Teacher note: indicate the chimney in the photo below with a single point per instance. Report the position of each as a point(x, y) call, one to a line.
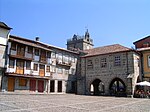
point(37, 39)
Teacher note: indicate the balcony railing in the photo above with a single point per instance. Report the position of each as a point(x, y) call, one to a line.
point(63, 63)
point(21, 55)
point(43, 60)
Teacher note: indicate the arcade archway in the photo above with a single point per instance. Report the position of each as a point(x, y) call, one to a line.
point(117, 87)
point(97, 87)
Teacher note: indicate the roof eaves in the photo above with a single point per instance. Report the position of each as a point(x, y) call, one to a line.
point(108, 53)
point(141, 39)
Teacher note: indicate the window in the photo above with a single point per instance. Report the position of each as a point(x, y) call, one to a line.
point(73, 71)
point(72, 59)
point(103, 62)
point(22, 82)
point(89, 64)
point(11, 63)
point(65, 58)
point(59, 70)
point(53, 69)
point(28, 65)
point(43, 56)
point(48, 69)
point(66, 72)
point(117, 61)
point(13, 46)
point(35, 67)
point(36, 51)
point(30, 49)
point(48, 54)
point(148, 61)
point(53, 55)
point(146, 44)
point(96, 61)
point(59, 58)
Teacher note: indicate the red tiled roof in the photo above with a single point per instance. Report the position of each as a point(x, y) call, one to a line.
point(28, 42)
point(141, 39)
point(36, 43)
point(106, 50)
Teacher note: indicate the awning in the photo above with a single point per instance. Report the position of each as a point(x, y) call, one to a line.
point(144, 83)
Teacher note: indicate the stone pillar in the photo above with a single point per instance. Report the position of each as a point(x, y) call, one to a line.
point(46, 86)
point(28, 84)
point(129, 87)
point(56, 86)
point(36, 89)
point(63, 86)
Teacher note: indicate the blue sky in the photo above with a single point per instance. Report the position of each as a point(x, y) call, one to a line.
point(55, 21)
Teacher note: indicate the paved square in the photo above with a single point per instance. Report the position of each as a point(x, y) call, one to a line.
point(70, 103)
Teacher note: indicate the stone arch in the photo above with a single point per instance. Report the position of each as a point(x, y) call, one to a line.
point(97, 87)
point(117, 87)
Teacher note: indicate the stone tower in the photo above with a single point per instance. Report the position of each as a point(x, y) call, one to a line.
point(80, 42)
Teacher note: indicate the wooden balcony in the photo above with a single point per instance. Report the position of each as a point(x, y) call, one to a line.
point(43, 60)
point(63, 63)
point(21, 55)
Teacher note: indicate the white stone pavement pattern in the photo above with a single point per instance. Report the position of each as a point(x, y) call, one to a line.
point(70, 103)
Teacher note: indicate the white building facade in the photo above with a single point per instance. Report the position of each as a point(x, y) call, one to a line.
point(37, 67)
point(4, 35)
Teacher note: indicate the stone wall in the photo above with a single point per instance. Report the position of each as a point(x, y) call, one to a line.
point(107, 74)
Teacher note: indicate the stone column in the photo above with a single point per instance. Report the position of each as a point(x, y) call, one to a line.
point(56, 86)
point(36, 89)
point(129, 87)
point(48, 86)
point(28, 84)
point(63, 86)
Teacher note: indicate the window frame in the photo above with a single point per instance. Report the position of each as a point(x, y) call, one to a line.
point(27, 67)
point(30, 50)
point(48, 54)
point(89, 64)
point(13, 46)
point(36, 52)
point(117, 61)
point(148, 61)
point(103, 62)
point(59, 70)
point(47, 68)
point(12, 61)
point(35, 67)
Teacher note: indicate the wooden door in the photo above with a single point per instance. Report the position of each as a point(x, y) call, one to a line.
point(43, 56)
point(32, 85)
point(59, 86)
point(42, 70)
point(52, 86)
point(11, 84)
point(21, 50)
point(40, 85)
point(20, 67)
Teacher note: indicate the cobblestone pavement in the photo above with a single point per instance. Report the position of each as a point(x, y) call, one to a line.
point(70, 103)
